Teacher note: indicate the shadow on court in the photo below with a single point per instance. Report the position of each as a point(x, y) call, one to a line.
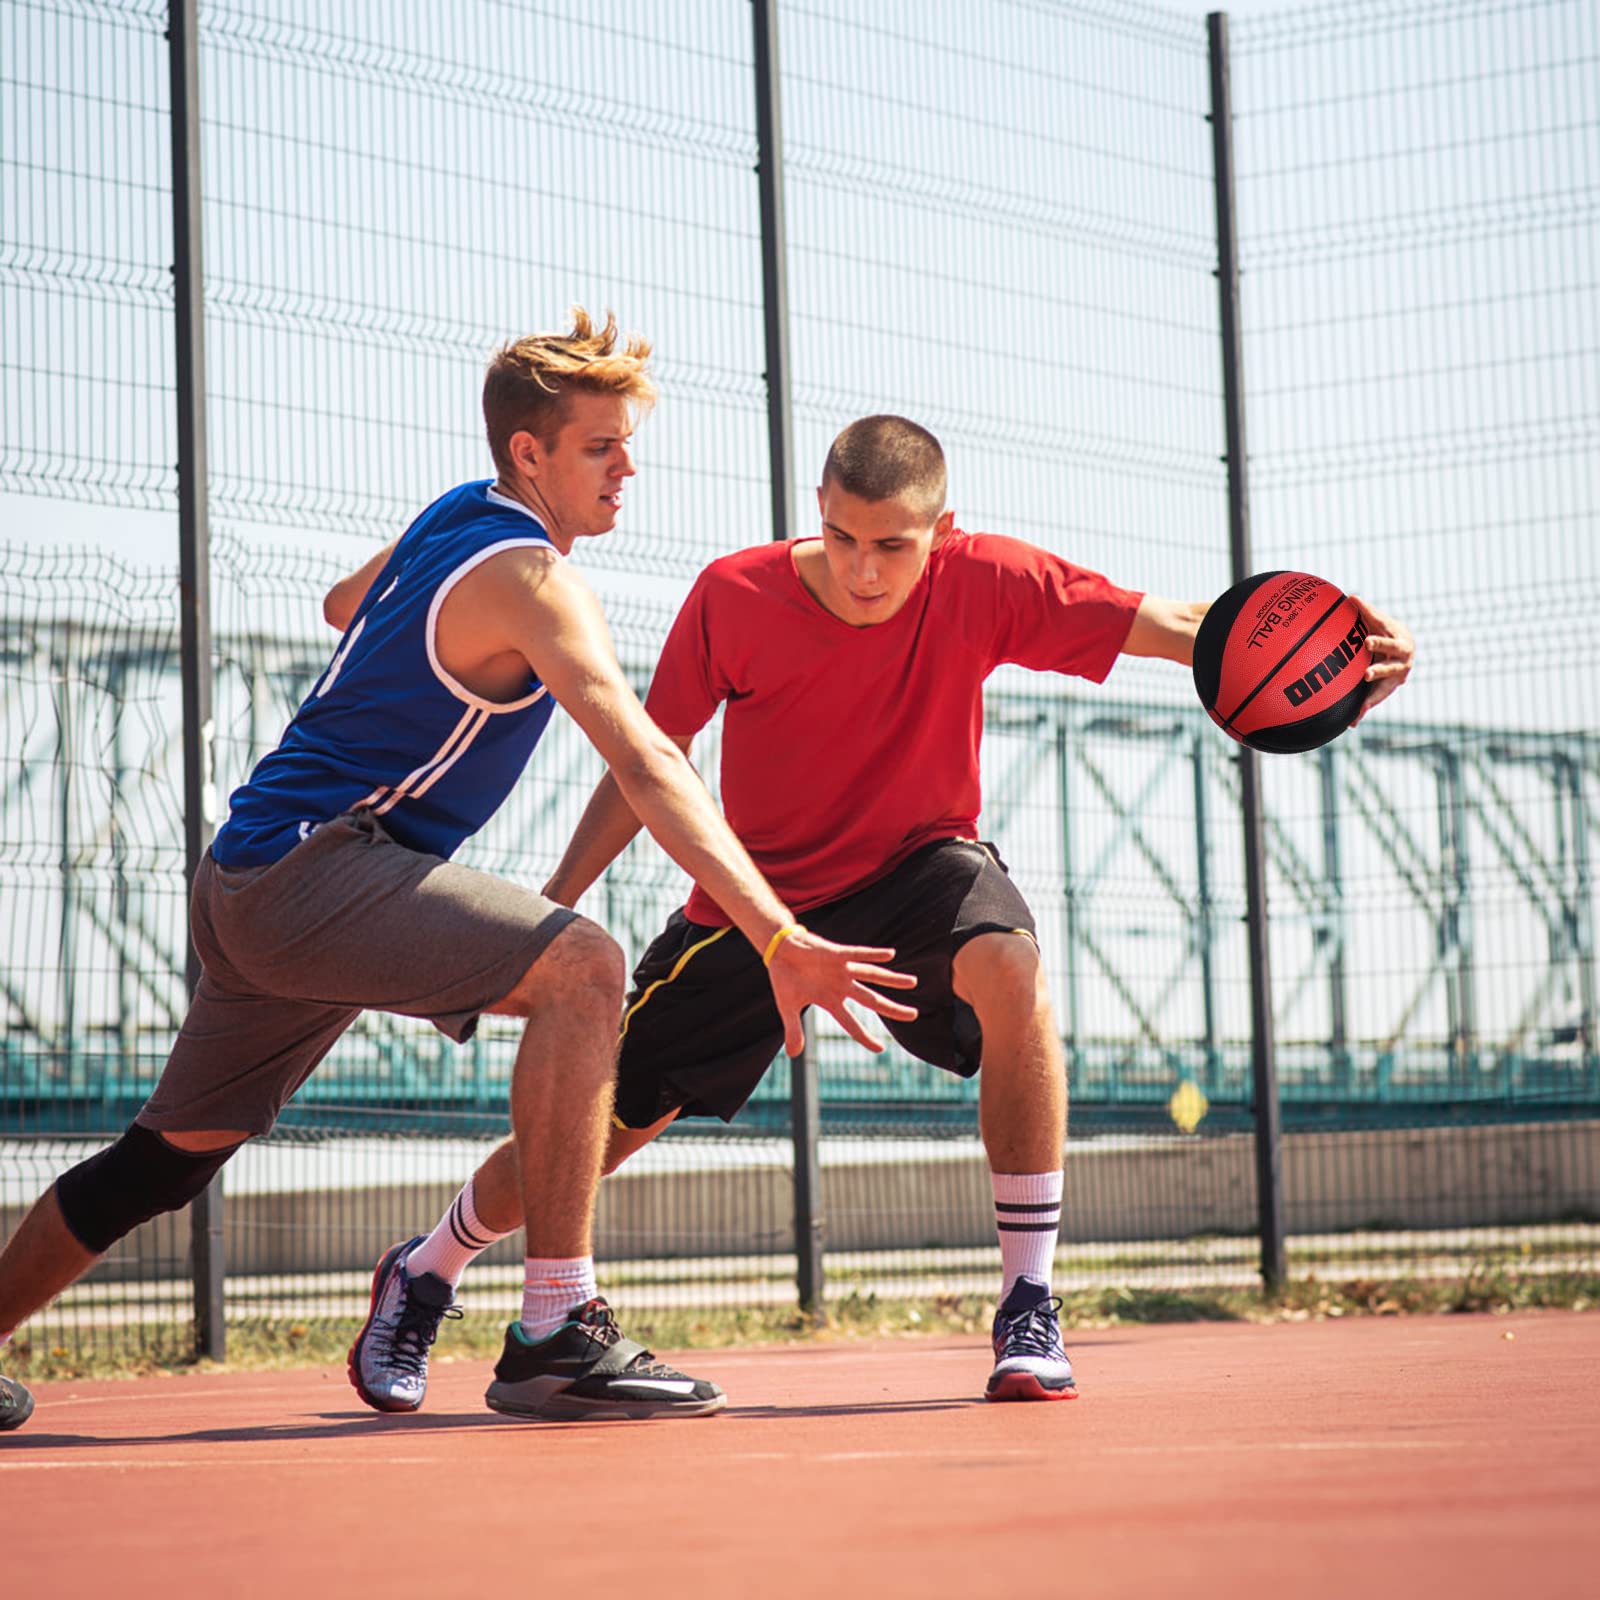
point(328, 1426)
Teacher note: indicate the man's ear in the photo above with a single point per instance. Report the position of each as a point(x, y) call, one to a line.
point(943, 528)
point(527, 454)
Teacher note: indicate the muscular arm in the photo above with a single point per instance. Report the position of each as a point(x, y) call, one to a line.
point(343, 600)
point(1165, 628)
point(604, 831)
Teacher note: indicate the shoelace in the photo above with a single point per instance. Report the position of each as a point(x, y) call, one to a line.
point(415, 1329)
point(1033, 1332)
point(599, 1321)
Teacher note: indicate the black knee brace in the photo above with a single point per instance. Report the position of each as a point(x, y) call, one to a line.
point(140, 1176)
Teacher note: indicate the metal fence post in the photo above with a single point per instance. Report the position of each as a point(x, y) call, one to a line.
point(804, 1104)
point(194, 582)
point(1264, 1078)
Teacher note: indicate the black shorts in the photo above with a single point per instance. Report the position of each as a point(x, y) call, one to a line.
point(700, 1027)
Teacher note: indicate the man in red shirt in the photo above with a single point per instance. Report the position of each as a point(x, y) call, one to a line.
point(852, 666)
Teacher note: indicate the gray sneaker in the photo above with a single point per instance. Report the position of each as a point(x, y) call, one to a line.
point(16, 1404)
point(587, 1370)
point(389, 1360)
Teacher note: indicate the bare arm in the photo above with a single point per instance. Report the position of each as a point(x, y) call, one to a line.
point(604, 831)
point(343, 600)
point(1165, 628)
point(557, 624)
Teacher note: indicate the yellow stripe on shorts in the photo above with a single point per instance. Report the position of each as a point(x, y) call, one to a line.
point(677, 967)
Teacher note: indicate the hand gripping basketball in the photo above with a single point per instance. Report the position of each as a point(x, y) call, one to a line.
point(806, 969)
point(1286, 661)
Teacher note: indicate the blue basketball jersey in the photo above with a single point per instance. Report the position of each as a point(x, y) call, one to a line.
point(386, 726)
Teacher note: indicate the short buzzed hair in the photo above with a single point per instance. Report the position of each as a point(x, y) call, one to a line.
point(531, 381)
point(889, 458)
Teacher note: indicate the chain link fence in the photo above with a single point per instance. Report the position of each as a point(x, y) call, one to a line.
point(1000, 222)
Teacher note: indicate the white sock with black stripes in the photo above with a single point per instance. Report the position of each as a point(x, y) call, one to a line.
point(1027, 1215)
point(461, 1236)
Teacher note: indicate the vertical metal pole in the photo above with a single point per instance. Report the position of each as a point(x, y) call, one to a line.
point(121, 902)
point(1582, 922)
point(66, 792)
point(1069, 884)
point(804, 1100)
point(1269, 1186)
point(1332, 932)
point(194, 579)
point(1205, 931)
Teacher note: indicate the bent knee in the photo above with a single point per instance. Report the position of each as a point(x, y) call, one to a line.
point(582, 960)
point(1000, 968)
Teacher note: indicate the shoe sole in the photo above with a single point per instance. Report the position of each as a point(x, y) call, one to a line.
point(1026, 1386)
point(547, 1400)
point(353, 1359)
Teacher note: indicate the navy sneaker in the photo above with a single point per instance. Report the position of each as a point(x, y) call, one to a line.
point(16, 1404)
point(1030, 1362)
point(587, 1370)
point(389, 1360)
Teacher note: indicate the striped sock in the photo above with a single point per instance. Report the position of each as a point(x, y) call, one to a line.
point(1027, 1213)
point(551, 1287)
point(461, 1236)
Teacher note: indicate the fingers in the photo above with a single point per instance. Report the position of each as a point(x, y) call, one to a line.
point(859, 952)
point(794, 1032)
point(842, 1015)
point(882, 1004)
point(883, 975)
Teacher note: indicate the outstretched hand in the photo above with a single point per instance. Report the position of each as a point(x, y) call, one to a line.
point(808, 970)
point(1391, 653)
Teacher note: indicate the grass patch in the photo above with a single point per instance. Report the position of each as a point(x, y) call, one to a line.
point(263, 1344)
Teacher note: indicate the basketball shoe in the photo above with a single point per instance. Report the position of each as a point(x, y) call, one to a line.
point(16, 1404)
point(389, 1360)
point(1030, 1362)
point(587, 1370)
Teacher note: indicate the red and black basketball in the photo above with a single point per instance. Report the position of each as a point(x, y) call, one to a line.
point(1280, 662)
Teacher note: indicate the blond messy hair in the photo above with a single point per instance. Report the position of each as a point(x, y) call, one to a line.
point(531, 381)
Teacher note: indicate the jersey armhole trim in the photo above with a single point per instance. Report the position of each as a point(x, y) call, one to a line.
point(430, 632)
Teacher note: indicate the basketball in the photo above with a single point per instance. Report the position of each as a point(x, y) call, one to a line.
point(1279, 662)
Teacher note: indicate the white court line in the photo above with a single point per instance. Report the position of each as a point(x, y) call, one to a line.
point(989, 1454)
point(345, 1463)
point(212, 1463)
point(165, 1397)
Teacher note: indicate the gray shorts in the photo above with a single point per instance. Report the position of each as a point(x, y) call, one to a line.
point(348, 921)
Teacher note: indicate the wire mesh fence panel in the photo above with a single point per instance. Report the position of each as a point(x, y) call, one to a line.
point(1417, 198)
point(391, 196)
point(91, 863)
point(1000, 225)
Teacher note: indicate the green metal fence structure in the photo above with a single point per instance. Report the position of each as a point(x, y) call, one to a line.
point(1001, 222)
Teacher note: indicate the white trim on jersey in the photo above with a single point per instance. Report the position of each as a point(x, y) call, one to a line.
point(472, 722)
point(460, 690)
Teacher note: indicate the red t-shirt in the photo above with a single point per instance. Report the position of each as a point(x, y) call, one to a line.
point(844, 749)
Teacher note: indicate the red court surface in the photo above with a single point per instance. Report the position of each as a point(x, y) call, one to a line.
point(1420, 1456)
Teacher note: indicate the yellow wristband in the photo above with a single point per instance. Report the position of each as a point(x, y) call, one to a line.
point(777, 939)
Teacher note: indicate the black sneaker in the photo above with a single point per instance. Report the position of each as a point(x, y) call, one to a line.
point(1030, 1362)
point(587, 1370)
point(16, 1404)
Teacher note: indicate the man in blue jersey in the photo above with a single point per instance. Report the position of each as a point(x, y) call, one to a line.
point(330, 890)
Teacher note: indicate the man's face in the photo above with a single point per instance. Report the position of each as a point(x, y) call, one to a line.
point(875, 552)
point(579, 481)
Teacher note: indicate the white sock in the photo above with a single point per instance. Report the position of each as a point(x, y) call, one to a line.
point(551, 1287)
point(1027, 1215)
point(462, 1235)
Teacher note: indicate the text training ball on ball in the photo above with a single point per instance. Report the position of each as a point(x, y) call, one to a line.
point(1280, 662)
